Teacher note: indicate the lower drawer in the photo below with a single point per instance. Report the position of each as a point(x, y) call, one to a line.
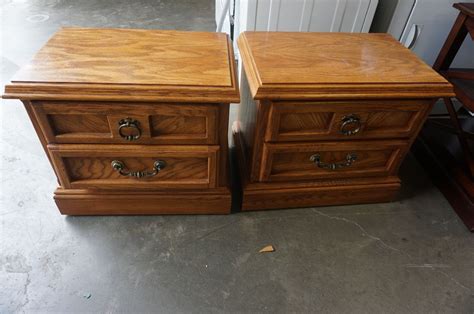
point(135, 166)
point(325, 160)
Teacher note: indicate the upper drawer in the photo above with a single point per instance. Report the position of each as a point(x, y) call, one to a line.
point(331, 160)
point(135, 166)
point(300, 121)
point(84, 122)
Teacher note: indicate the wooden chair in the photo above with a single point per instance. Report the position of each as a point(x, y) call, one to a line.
point(462, 79)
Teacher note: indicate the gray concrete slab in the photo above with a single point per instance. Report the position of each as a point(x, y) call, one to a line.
point(410, 256)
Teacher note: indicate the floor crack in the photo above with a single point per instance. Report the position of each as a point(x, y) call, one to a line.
point(214, 230)
point(452, 279)
point(352, 222)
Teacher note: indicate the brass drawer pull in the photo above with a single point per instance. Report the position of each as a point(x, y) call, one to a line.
point(120, 168)
point(129, 123)
point(350, 125)
point(350, 158)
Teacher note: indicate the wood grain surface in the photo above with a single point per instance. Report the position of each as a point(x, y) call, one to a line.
point(98, 122)
point(299, 88)
point(173, 86)
point(282, 162)
point(258, 195)
point(139, 202)
point(89, 166)
point(275, 196)
point(288, 65)
point(310, 121)
point(117, 64)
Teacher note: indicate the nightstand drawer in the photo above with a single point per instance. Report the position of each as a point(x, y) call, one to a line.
point(124, 123)
point(135, 166)
point(325, 160)
point(303, 121)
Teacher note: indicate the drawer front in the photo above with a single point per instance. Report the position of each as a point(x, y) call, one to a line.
point(303, 121)
point(324, 160)
point(135, 166)
point(74, 122)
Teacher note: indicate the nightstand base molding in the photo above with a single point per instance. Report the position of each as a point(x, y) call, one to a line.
point(103, 202)
point(256, 198)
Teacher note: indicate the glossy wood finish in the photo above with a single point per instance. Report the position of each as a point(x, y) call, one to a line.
point(98, 122)
point(290, 162)
point(258, 195)
point(296, 109)
point(129, 64)
point(136, 202)
point(277, 197)
point(89, 166)
point(175, 87)
point(306, 121)
point(283, 65)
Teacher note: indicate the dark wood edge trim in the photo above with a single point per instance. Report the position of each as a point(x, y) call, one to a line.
point(463, 7)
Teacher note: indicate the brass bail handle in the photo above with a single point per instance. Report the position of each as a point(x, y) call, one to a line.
point(350, 159)
point(129, 123)
point(120, 167)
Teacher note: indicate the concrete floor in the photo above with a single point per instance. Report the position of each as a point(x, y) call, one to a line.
point(410, 256)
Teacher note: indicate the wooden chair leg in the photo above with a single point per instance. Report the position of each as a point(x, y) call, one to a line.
point(468, 156)
point(453, 43)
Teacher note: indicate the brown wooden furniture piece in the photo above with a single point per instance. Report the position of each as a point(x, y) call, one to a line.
point(449, 156)
point(133, 121)
point(327, 118)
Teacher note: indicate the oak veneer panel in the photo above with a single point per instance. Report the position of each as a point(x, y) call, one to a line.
point(309, 121)
point(290, 65)
point(192, 126)
point(314, 122)
point(284, 162)
point(159, 123)
point(62, 124)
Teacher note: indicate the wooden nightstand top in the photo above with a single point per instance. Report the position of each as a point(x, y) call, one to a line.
point(116, 64)
point(286, 65)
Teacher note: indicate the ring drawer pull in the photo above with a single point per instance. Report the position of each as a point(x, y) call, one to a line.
point(120, 168)
point(350, 125)
point(129, 123)
point(350, 158)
